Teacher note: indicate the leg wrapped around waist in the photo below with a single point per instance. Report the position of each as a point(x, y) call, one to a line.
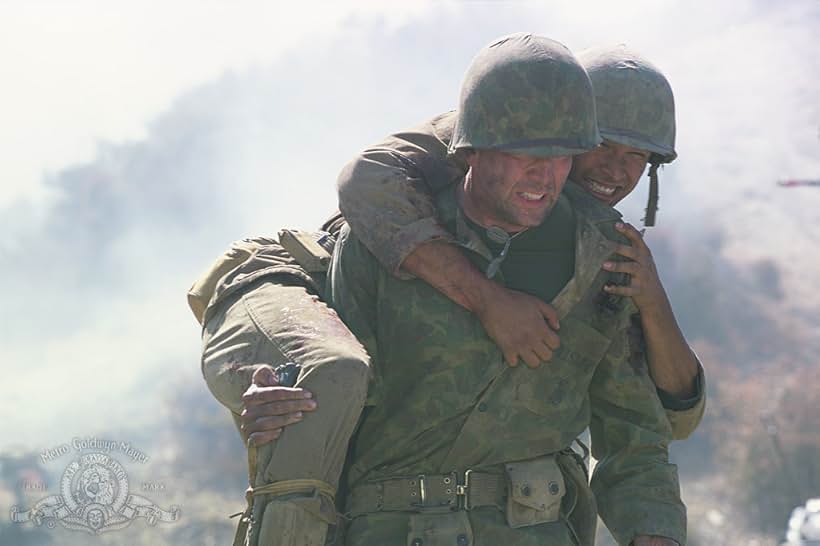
point(273, 324)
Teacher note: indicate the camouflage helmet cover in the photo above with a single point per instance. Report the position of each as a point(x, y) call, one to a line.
point(526, 94)
point(633, 99)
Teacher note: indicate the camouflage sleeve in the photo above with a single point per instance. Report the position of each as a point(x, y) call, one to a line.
point(684, 421)
point(389, 205)
point(351, 290)
point(635, 485)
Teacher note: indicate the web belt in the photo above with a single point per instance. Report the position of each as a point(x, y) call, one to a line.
point(429, 492)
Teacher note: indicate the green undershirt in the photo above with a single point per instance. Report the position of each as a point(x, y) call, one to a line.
point(541, 260)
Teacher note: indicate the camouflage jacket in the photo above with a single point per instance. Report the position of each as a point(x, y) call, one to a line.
point(385, 194)
point(443, 399)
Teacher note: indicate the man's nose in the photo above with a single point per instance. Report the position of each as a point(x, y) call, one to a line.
point(615, 167)
point(546, 170)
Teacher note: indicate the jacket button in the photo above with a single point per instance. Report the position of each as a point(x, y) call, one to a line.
point(462, 540)
point(554, 488)
point(482, 407)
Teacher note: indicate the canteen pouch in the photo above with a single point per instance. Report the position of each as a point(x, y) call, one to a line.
point(440, 529)
point(536, 488)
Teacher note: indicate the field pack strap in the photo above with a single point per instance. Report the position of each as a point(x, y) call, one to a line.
point(311, 250)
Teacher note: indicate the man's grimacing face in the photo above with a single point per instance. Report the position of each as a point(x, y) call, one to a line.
point(513, 191)
point(609, 172)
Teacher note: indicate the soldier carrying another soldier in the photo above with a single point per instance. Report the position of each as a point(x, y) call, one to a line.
point(246, 325)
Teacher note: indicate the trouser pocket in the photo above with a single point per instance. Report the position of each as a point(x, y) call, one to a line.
point(536, 488)
point(447, 529)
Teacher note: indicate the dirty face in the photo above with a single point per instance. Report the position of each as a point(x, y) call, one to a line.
point(512, 191)
point(609, 172)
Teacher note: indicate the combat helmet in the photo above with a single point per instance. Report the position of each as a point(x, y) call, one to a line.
point(635, 107)
point(526, 94)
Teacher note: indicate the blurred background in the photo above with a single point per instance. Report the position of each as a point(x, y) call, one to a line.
point(137, 140)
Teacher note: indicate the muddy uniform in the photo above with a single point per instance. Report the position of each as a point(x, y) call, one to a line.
point(386, 197)
point(455, 447)
point(261, 306)
point(258, 305)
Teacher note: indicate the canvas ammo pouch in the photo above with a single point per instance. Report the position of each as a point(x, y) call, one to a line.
point(535, 490)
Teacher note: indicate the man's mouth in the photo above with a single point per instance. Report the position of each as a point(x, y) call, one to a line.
point(532, 197)
point(601, 189)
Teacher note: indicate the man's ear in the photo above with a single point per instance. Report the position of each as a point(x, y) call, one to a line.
point(470, 157)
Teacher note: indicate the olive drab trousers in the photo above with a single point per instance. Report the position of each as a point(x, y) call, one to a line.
point(274, 321)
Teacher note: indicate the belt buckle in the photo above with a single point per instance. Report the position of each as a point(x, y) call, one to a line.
point(422, 490)
point(441, 494)
point(463, 491)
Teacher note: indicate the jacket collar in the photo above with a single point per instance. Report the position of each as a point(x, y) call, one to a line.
point(592, 247)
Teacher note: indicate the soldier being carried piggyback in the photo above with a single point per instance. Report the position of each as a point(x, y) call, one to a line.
point(465, 257)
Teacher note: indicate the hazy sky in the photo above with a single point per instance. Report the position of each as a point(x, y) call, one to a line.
point(139, 139)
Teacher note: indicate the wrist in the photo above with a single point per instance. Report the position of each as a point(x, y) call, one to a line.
point(683, 381)
point(481, 293)
point(655, 305)
point(448, 270)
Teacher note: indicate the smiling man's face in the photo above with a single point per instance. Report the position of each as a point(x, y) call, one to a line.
point(512, 191)
point(609, 172)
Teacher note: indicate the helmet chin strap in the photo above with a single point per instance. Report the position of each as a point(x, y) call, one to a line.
point(652, 203)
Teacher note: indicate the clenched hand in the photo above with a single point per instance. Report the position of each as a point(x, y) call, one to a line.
point(520, 324)
point(267, 408)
